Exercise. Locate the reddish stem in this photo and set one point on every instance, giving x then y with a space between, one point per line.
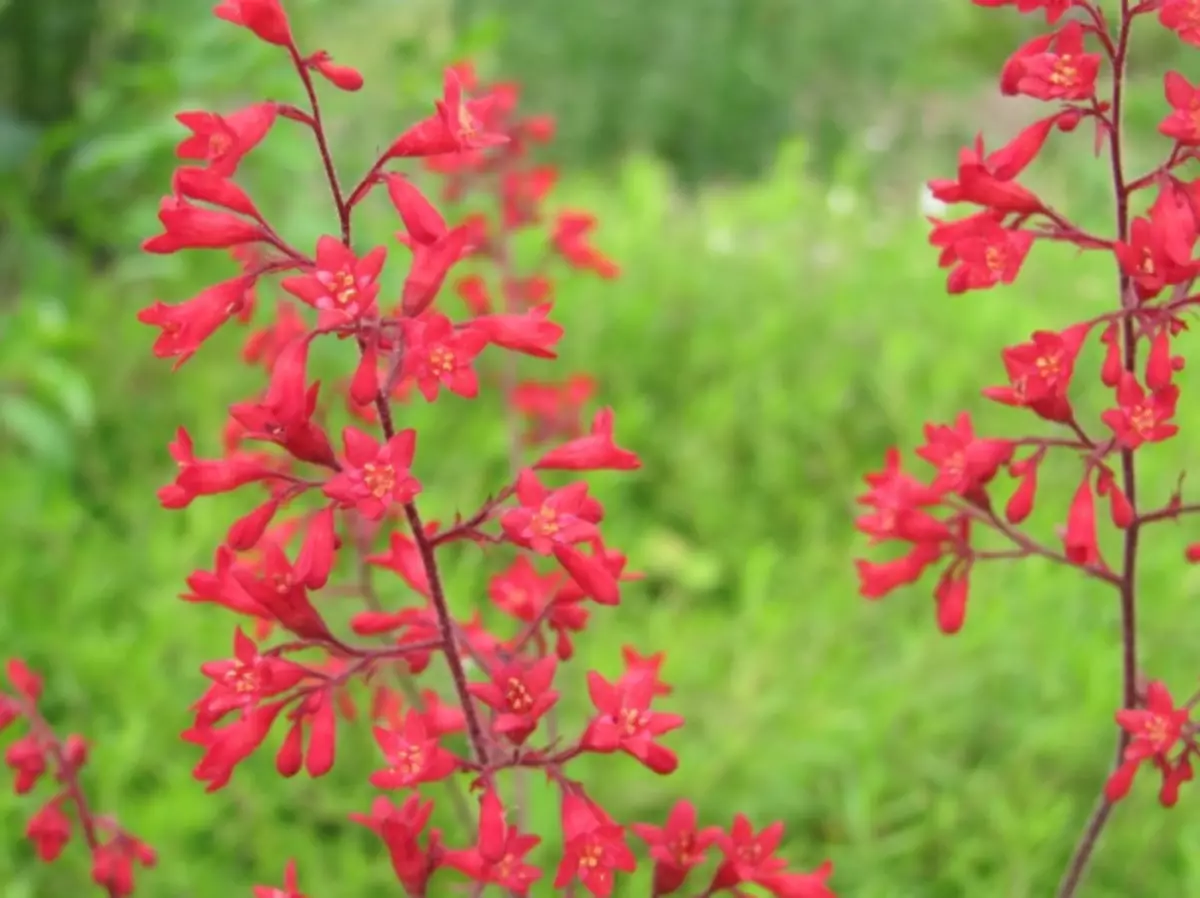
1081 858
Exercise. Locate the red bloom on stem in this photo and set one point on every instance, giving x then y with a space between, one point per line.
281 590
243 681
749 858
498 855
1183 124
546 518
1079 538
227 747
436 355
209 477
188 226
552 522
413 756
986 256
520 694
595 452
899 500
1182 17
1156 729
1062 71
1139 418
530 333
265 18
676 848
454 127
113 863
570 240
224 140
965 463
343 77
1159 250
49 830
987 180
594 848
374 478
187 325
1040 373
341 286
625 722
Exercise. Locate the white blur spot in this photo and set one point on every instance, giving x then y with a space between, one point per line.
930 204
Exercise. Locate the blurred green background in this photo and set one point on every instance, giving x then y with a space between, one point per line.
757 167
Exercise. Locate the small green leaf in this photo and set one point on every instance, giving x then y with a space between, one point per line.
68 388
36 429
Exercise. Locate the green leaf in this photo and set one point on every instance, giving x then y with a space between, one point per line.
36 429
68 388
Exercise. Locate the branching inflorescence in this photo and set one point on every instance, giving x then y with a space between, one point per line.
959 519
352 506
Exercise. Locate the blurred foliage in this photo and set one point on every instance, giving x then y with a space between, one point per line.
766 343
763 347
711 86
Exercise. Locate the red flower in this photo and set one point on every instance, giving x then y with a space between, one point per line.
49 830
593 848
1183 124
595 452
1139 418
749 858
187 325
676 848
374 477
498 855
965 463
412 755
1059 71
243 681
280 589
899 499
530 333
625 722
341 286
1159 250
187 226
265 18
112 863
227 747
1156 729
986 256
1182 17
570 240
548 518
1040 372
1079 536
987 180
520 694
224 140
452 129
436 355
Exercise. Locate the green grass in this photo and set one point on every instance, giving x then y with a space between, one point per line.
762 349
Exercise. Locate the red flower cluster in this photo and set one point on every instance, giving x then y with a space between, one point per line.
974 506
39 754
330 501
